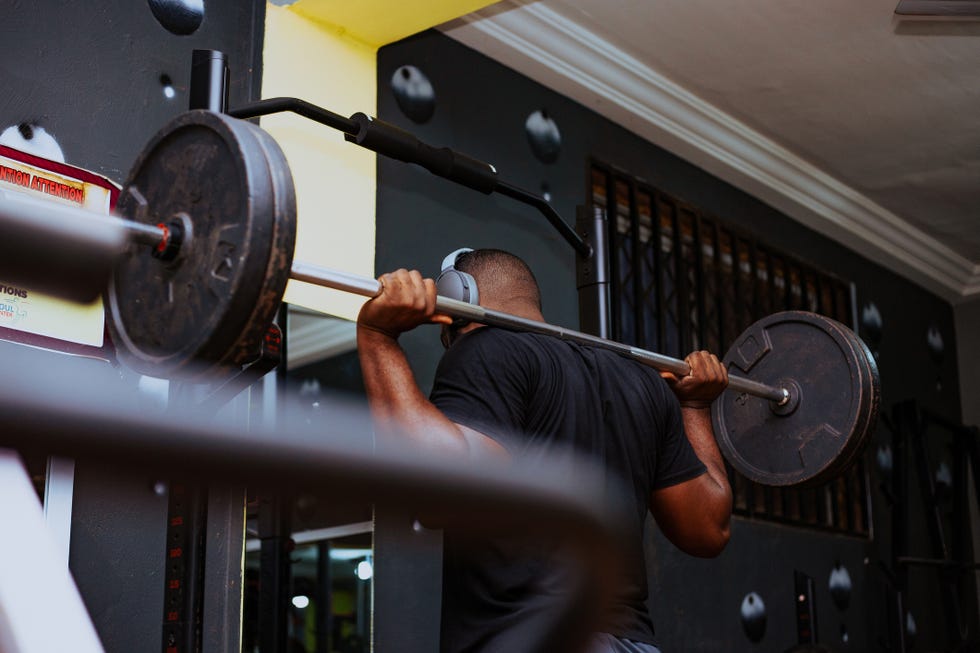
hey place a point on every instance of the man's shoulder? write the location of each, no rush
(488, 336)
(496, 346)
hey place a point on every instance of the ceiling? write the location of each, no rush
(860, 125)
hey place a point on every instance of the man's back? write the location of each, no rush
(538, 393)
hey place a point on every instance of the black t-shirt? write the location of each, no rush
(528, 392)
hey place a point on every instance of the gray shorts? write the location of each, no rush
(606, 643)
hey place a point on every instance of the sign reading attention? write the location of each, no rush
(30, 317)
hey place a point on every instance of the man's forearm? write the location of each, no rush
(700, 433)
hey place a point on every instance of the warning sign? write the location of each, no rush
(30, 317)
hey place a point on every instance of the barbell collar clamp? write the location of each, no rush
(791, 401)
(154, 235)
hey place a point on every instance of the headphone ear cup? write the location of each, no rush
(458, 285)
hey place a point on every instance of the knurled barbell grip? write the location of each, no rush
(368, 287)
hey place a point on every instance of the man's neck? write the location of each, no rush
(517, 308)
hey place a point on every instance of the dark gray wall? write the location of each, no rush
(968, 346)
(481, 108)
(696, 605)
(90, 75)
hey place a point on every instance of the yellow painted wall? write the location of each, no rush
(324, 51)
(335, 180)
(379, 22)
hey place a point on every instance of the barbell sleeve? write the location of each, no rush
(57, 249)
(368, 287)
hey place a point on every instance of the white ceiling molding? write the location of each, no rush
(934, 9)
(561, 54)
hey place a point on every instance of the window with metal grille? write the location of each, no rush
(684, 280)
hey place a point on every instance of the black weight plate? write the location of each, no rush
(868, 421)
(205, 311)
(836, 394)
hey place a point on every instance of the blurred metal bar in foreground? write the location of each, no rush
(45, 410)
(34, 580)
(61, 250)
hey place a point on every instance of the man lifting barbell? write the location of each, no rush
(498, 392)
(214, 259)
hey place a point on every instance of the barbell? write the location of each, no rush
(198, 266)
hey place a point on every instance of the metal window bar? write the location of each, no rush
(777, 282)
(623, 241)
(684, 325)
(617, 261)
(728, 286)
(844, 303)
(751, 271)
(659, 265)
(796, 299)
(710, 321)
(763, 297)
(600, 196)
(738, 290)
(684, 280)
(639, 297)
(689, 237)
(746, 285)
(669, 276)
(647, 277)
(811, 299)
(826, 297)
(698, 289)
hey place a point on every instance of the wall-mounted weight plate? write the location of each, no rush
(227, 185)
(833, 410)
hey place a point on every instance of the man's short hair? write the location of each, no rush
(501, 274)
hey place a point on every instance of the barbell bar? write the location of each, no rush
(367, 287)
(199, 261)
(164, 241)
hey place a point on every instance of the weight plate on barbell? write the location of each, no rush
(867, 423)
(227, 183)
(835, 393)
